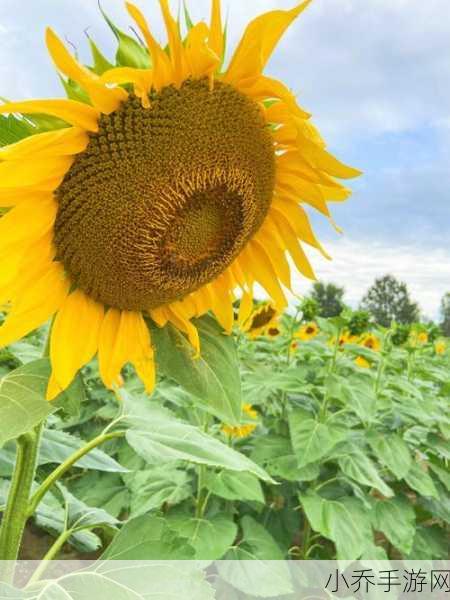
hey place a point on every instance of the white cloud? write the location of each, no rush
(356, 264)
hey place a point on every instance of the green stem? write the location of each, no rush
(51, 554)
(200, 485)
(66, 465)
(16, 513)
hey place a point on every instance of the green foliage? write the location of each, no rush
(388, 300)
(329, 298)
(334, 460)
(445, 314)
(309, 308)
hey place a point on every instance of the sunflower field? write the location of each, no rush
(295, 439)
(151, 406)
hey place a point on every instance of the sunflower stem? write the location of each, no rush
(16, 513)
(66, 465)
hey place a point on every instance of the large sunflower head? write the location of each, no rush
(162, 189)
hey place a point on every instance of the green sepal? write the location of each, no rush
(74, 91)
(13, 129)
(129, 52)
(187, 17)
(101, 63)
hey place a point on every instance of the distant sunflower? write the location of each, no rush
(242, 431)
(362, 362)
(372, 342)
(261, 319)
(440, 347)
(308, 331)
(167, 190)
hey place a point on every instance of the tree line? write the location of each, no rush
(387, 300)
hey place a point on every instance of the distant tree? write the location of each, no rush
(329, 297)
(388, 300)
(445, 314)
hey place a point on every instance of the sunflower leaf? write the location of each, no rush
(213, 379)
(22, 397)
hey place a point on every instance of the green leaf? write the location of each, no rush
(429, 543)
(57, 446)
(421, 482)
(311, 439)
(152, 488)
(359, 467)
(392, 451)
(129, 52)
(397, 520)
(22, 398)
(13, 129)
(358, 395)
(213, 378)
(101, 489)
(235, 486)
(159, 437)
(148, 538)
(338, 522)
(343, 529)
(442, 474)
(274, 453)
(210, 538)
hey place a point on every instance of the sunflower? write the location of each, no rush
(440, 347)
(362, 362)
(371, 342)
(261, 319)
(273, 331)
(242, 431)
(307, 332)
(163, 191)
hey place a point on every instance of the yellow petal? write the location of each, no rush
(292, 162)
(162, 70)
(36, 305)
(175, 44)
(335, 194)
(264, 273)
(299, 220)
(112, 347)
(14, 196)
(259, 41)
(103, 98)
(26, 222)
(202, 301)
(123, 338)
(280, 112)
(201, 60)
(159, 316)
(293, 246)
(222, 305)
(294, 188)
(245, 306)
(74, 336)
(63, 142)
(22, 264)
(143, 356)
(268, 244)
(18, 173)
(216, 37)
(178, 317)
(267, 88)
(76, 113)
(319, 158)
(142, 80)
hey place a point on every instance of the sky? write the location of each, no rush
(375, 74)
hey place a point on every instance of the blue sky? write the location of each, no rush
(375, 75)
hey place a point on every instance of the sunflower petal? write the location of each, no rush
(36, 305)
(14, 196)
(258, 262)
(266, 88)
(33, 171)
(142, 80)
(259, 41)
(162, 70)
(245, 306)
(74, 336)
(112, 347)
(63, 142)
(298, 218)
(26, 223)
(216, 37)
(202, 61)
(293, 246)
(319, 158)
(178, 317)
(298, 189)
(222, 305)
(103, 98)
(76, 113)
(175, 44)
(276, 255)
(142, 356)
